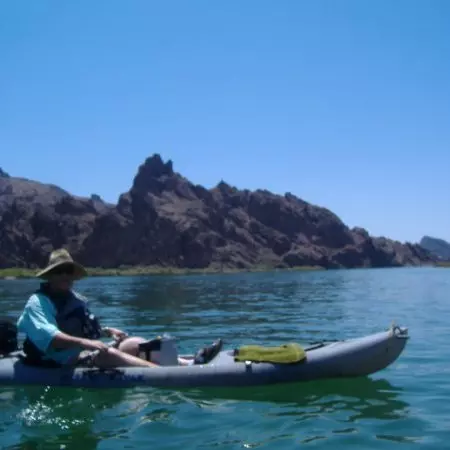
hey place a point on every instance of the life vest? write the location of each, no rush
(72, 317)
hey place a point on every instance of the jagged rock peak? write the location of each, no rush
(156, 167)
(152, 168)
(3, 174)
(96, 198)
(225, 188)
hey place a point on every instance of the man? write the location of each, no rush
(60, 330)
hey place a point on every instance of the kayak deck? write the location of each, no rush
(348, 358)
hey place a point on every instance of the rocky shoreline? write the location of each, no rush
(166, 221)
(25, 273)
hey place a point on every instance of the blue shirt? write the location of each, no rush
(38, 322)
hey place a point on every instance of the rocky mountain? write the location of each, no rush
(164, 219)
(436, 246)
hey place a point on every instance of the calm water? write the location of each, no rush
(403, 406)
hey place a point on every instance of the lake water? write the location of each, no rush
(405, 406)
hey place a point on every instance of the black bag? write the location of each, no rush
(8, 337)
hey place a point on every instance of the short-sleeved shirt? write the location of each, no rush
(38, 323)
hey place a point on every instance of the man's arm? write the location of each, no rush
(39, 324)
(63, 341)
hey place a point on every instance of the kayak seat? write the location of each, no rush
(8, 337)
(284, 354)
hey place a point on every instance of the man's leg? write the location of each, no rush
(131, 346)
(116, 358)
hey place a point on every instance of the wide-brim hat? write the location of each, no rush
(60, 258)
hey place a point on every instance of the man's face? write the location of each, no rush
(61, 278)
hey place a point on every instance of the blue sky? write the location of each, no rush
(345, 104)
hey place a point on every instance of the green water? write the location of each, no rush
(403, 406)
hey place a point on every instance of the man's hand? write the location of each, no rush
(90, 344)
(116, 334)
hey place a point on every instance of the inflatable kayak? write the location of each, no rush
(347, 358)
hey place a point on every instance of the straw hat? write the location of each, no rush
(61, 257)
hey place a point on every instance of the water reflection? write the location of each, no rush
(232, 305)
(86, 416)
(363, 397)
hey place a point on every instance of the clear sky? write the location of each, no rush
(344, 103)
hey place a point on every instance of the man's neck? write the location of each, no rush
(54, 292)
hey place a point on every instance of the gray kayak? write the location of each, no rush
(347, 358)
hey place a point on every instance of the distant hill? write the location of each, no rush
(436, 246)
(166, 220)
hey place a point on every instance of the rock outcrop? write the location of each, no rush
(438, 247)
(166, 220)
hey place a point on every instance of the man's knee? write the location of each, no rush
(113, 357)
(131, 345)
